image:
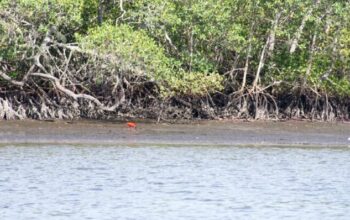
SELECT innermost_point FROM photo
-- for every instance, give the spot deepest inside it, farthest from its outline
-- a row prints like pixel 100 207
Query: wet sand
pixel 225 133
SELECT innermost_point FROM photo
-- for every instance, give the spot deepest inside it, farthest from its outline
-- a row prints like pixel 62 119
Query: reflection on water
pixel 66 182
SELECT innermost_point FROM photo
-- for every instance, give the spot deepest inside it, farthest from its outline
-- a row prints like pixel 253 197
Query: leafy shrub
pixel 136 53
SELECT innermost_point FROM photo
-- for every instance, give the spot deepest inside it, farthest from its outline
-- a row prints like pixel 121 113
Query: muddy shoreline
pixel 225 133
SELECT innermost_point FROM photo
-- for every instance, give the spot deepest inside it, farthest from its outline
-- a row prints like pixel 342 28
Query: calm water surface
pixel 118 182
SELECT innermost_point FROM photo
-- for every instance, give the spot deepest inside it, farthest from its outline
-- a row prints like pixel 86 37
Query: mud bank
pixel 226 133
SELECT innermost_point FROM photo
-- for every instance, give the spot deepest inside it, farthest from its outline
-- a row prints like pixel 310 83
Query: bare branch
pixel 73 95
pixel 9 79
pixel 167 38
pixel 121 7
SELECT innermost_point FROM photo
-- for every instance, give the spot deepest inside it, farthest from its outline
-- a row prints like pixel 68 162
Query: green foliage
pixel 188 47
pixel 193 31
pixel 65 14
pixel 133 49
pixel 137 53
pixel 195 84
pixel 12 42
pixel 345 44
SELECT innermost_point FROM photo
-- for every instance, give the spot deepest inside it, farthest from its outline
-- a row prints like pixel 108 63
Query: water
pixel 119 182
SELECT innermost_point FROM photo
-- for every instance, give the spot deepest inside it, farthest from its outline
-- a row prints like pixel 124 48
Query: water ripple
pixel 55 182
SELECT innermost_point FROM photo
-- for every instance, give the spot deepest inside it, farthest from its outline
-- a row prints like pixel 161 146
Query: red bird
pixel 131 124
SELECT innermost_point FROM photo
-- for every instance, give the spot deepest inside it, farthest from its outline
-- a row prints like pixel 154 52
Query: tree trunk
pixel 272 40
pixel 246 67
pixel 311 57
pixel 249 50
pixel 261 64
pixel 297 36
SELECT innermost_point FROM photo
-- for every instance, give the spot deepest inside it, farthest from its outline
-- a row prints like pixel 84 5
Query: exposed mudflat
pixel 226 133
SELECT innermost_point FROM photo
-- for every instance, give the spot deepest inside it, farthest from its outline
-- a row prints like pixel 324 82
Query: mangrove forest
pixel 175 59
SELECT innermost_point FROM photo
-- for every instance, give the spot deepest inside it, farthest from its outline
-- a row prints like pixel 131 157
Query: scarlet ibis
pixel 131 124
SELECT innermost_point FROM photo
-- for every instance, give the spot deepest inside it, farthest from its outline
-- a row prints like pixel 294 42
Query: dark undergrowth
pixel 21 105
